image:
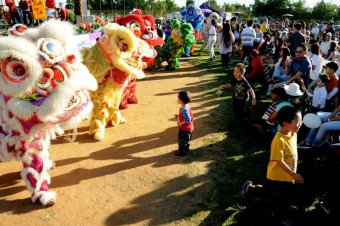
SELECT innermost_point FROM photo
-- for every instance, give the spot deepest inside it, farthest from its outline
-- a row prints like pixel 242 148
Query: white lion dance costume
pixel 43 90
pixel 116 56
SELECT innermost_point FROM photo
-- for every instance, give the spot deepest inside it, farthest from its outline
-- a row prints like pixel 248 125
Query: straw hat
pixel 312 121
pixel 293 89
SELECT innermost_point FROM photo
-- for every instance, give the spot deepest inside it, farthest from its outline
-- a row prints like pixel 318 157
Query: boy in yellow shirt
pixel 281 176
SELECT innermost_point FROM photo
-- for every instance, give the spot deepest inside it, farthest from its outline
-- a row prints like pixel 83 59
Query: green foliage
pixel 71 16
pixel 301 11
pixel 325 11
pixel 157 8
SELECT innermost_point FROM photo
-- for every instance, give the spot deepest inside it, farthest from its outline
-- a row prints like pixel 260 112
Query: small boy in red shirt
pixel 185 122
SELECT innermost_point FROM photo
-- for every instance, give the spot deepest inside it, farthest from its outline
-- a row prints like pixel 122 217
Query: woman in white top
pixel 225 42
pixel 212 39
pixel 316 59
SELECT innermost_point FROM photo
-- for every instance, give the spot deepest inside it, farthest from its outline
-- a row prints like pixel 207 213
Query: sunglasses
pixel 298 51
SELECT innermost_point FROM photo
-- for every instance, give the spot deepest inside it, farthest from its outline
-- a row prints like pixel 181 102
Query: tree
pixel 300 10
pixel 325 11
pixel 213 4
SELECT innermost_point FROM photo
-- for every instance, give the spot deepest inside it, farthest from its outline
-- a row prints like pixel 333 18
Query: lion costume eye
pixel 135 28
pixel 13 70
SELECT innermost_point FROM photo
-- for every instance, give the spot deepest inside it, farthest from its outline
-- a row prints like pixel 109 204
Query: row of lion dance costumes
pixel 47 86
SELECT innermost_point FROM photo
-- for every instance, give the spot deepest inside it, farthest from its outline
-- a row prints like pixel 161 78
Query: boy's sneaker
pixel 304 145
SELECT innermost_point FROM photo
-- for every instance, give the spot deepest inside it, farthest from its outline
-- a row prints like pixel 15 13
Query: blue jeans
pixel 281 74
pixel 316 136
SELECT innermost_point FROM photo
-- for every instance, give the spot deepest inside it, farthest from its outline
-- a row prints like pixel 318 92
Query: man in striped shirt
pixel 248 36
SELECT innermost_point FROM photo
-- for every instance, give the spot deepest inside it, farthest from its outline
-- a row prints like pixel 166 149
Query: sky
pixel 310 3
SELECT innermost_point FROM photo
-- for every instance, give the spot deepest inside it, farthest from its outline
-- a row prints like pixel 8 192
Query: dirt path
pixel 130 178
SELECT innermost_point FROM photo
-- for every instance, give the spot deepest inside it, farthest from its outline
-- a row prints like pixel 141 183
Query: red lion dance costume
pixel 143 26
pixel 44 89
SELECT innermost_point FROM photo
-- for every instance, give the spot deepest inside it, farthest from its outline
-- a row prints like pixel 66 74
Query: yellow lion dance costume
pixel 116 55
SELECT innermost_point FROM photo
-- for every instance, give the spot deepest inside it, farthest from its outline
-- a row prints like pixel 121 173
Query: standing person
pixel 282 178
pixel 25 8
pixel 185 122
pixel 212 39
pixel 50 9
pixel 63 12
pixel 205 33
pixel 248 36
pixel 264 26
pixel 242 89
pixel 13 11
pixel 225 43
pixel 300 66
pixel 296 38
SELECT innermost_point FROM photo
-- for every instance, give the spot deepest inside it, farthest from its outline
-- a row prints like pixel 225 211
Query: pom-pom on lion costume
pixel 116 56
pixel 43 90
pixel 181 37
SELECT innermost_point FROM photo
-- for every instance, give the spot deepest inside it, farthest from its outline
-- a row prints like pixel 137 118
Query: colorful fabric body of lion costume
pixel 44 89
pixel 116 56
pixel 143 26
pixel 181 37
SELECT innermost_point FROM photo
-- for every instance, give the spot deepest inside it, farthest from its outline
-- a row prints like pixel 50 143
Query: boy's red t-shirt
pixel 333 83
pixel 189 127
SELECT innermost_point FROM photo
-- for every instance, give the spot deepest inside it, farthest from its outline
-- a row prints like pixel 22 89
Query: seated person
pixel 255 71
pixel 300 66
pixel 332 86
pixel 278 95
pixel 315 137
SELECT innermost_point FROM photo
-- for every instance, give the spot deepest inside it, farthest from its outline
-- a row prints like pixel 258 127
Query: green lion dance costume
pixel 181 37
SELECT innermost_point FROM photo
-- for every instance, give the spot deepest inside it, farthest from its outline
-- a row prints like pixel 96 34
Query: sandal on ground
pixel 244 189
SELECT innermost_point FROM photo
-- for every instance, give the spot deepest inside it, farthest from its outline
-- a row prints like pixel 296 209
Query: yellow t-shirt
pixel 283 148
pixel 264 27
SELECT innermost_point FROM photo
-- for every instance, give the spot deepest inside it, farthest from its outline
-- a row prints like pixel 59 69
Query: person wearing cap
pixel 255 71
pixel 300 66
